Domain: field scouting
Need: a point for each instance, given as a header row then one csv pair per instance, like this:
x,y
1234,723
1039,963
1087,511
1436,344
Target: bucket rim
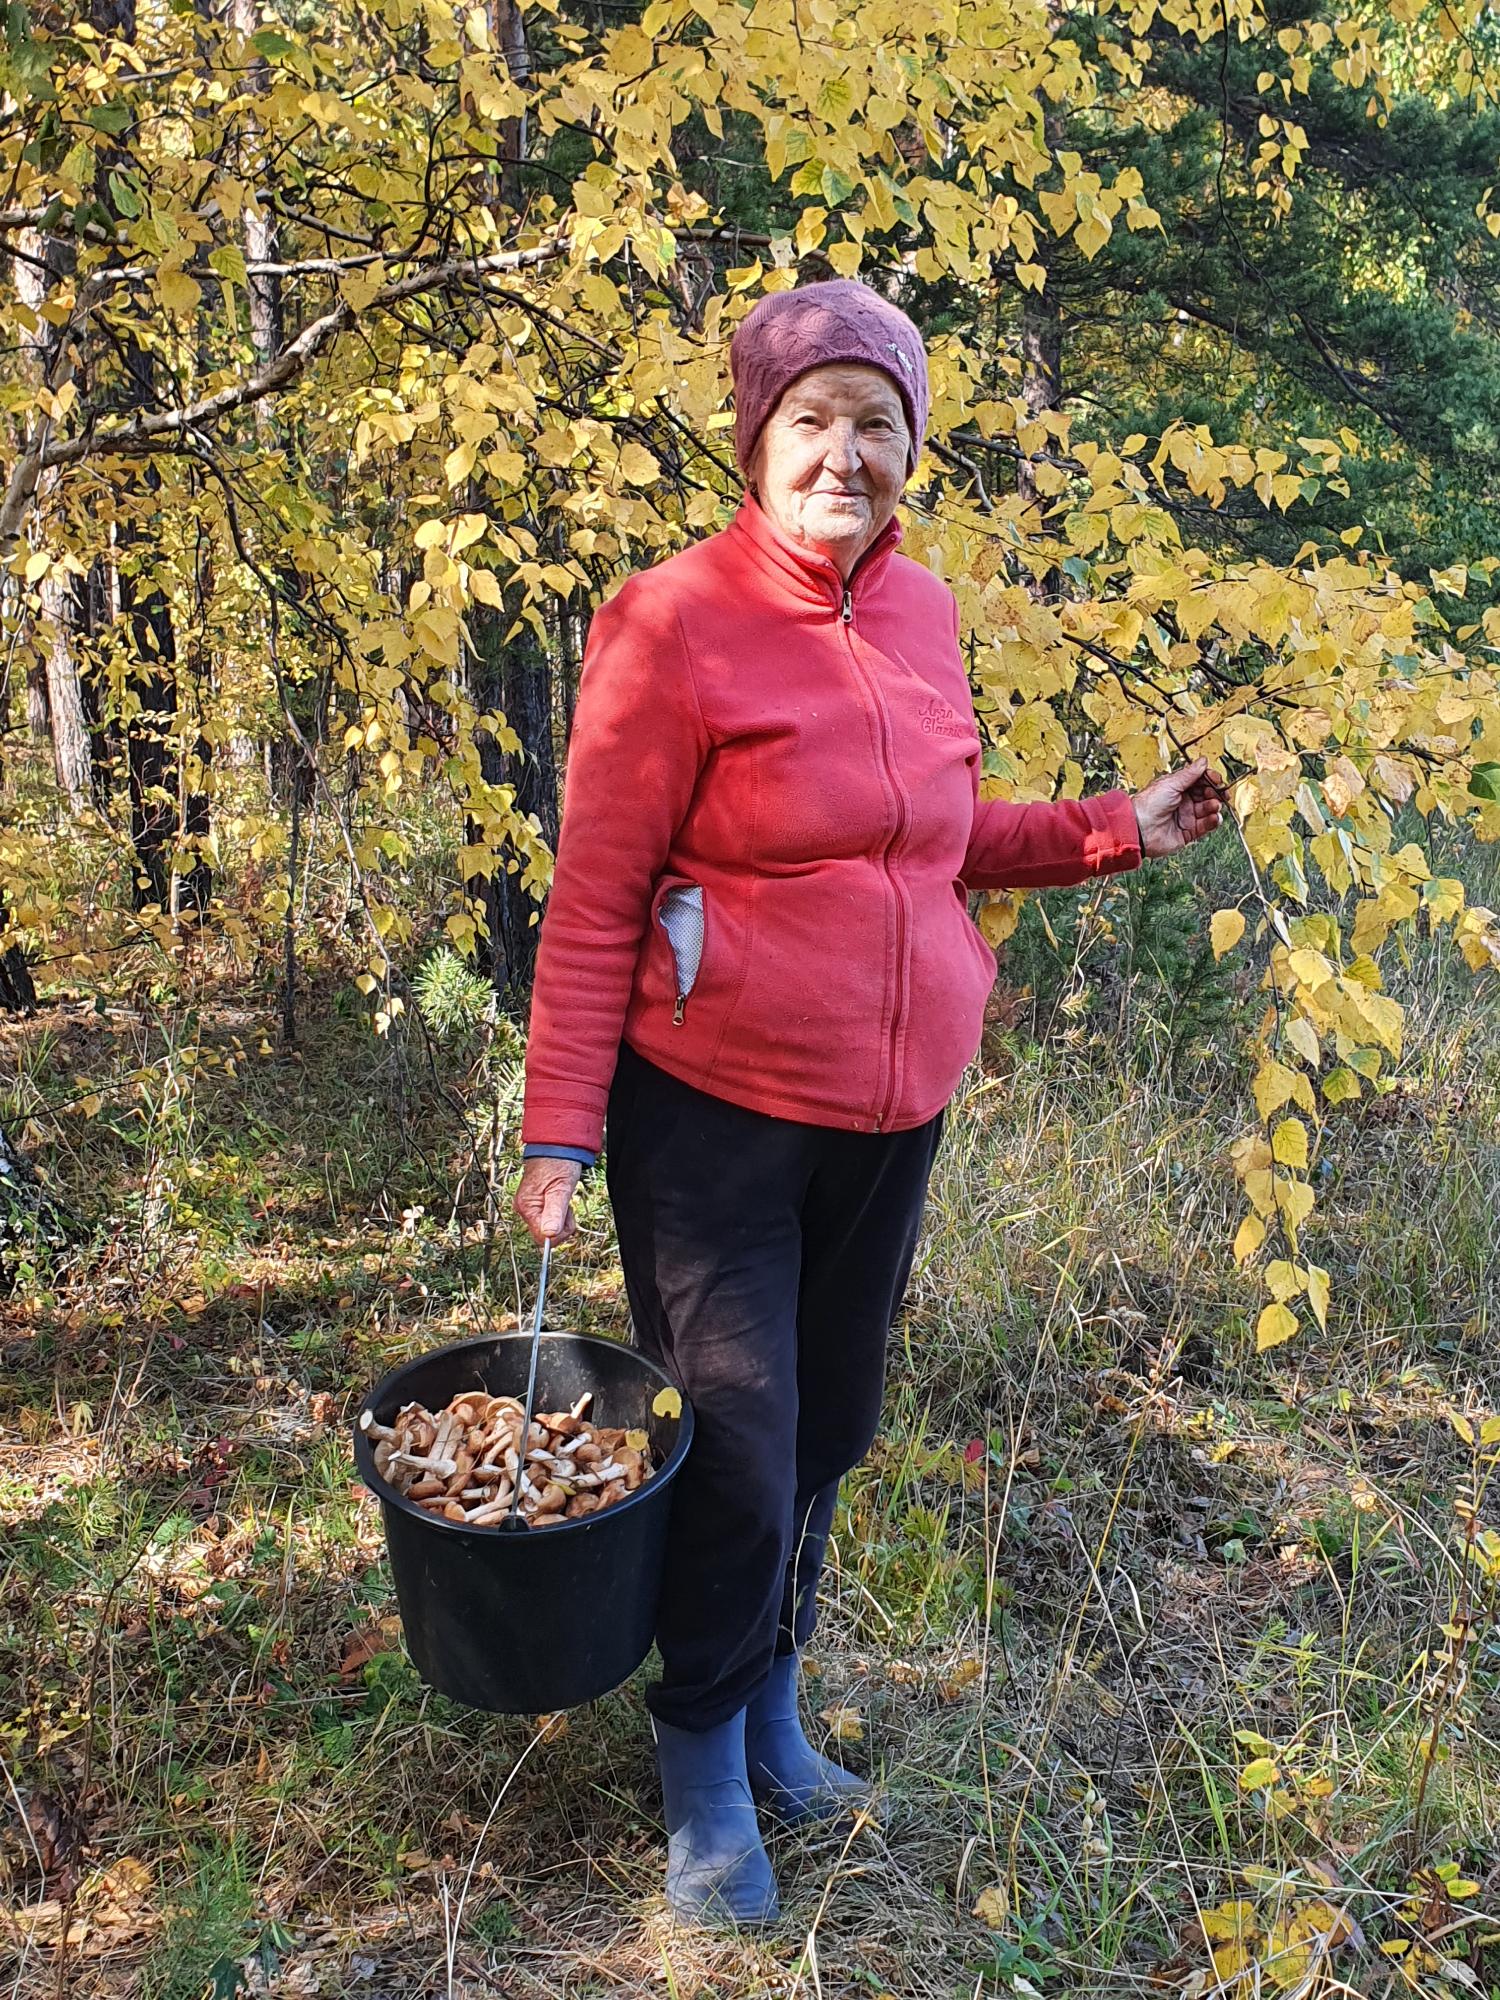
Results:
x,y
388,1496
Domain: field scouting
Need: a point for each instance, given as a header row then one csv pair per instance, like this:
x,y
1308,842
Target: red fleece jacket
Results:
x,y
807,758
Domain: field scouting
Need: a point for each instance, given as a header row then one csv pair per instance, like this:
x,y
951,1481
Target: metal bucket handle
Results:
x,y
513,1518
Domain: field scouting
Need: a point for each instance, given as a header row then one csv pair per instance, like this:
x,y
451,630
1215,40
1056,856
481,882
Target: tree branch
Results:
x,y
166,430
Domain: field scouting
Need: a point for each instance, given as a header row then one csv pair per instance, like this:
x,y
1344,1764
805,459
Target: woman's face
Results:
x,y
830,463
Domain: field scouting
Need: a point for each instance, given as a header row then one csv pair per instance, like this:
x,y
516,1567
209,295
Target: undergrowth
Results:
x,y
1177,1666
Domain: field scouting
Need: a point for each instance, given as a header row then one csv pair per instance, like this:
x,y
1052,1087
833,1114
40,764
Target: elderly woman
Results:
x,y
758,976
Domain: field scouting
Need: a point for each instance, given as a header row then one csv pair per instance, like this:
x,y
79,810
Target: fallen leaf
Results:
x,y
963,1676
993,1906
121,1892
366,1643
667,1403
845,1725
59,1838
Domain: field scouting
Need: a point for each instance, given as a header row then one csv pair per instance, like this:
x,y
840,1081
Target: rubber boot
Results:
x,y
787,1776
718,1870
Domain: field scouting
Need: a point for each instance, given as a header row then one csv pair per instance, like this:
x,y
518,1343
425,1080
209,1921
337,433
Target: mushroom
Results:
x,y
417,1428
463,1465
441,1468
562,1426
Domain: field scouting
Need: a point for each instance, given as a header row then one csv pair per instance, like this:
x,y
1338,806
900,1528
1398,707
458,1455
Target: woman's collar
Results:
x,y
813,574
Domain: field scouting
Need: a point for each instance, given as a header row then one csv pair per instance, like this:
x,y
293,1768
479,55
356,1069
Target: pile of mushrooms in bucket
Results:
x,y
462,1462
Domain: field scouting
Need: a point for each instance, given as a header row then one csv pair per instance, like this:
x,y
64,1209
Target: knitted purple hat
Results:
x,y
786,333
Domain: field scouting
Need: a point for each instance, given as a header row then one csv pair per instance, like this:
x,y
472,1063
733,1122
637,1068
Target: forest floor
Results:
x,y
1176,1665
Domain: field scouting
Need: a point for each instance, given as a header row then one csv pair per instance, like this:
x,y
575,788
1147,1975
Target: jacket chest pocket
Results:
x,y
679,916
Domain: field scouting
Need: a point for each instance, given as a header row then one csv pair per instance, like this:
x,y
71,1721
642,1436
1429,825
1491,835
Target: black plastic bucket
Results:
x,y
523,1621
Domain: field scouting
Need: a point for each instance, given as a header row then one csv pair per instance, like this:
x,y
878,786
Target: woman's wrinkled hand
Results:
x,y
544,1199
1178,808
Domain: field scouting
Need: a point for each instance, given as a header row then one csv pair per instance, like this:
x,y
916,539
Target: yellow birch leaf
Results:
x,y
1283,1280
1274,1085
1302,1037
1276,1324
177,291
1225,930
1091,235
1309,968
1248,1238
1289,1143
1444,899
666,1403
999,914
1250,1153
637,465
1295,1199
1383,1017
1260,1773
359,287
1318,1293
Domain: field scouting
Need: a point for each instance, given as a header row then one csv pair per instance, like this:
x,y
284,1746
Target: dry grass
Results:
x,y
1101,1546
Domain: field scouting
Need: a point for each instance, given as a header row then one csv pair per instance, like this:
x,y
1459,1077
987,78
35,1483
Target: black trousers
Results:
x,y
764,1262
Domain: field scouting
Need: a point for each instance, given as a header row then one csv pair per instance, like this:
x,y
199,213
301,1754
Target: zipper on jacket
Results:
x,y
899,1007
903,822
681,919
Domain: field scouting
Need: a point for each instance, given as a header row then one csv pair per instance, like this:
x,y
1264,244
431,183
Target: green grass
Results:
x,y
1100,1548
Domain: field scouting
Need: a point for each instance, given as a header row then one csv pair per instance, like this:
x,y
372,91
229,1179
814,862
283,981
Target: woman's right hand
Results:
x,y
544,1199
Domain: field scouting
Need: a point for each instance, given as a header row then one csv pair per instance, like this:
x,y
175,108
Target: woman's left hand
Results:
x,y
1178,808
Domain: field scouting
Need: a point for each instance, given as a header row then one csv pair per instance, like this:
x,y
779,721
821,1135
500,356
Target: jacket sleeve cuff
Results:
x,y
561,1112
1114,845
537,1150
